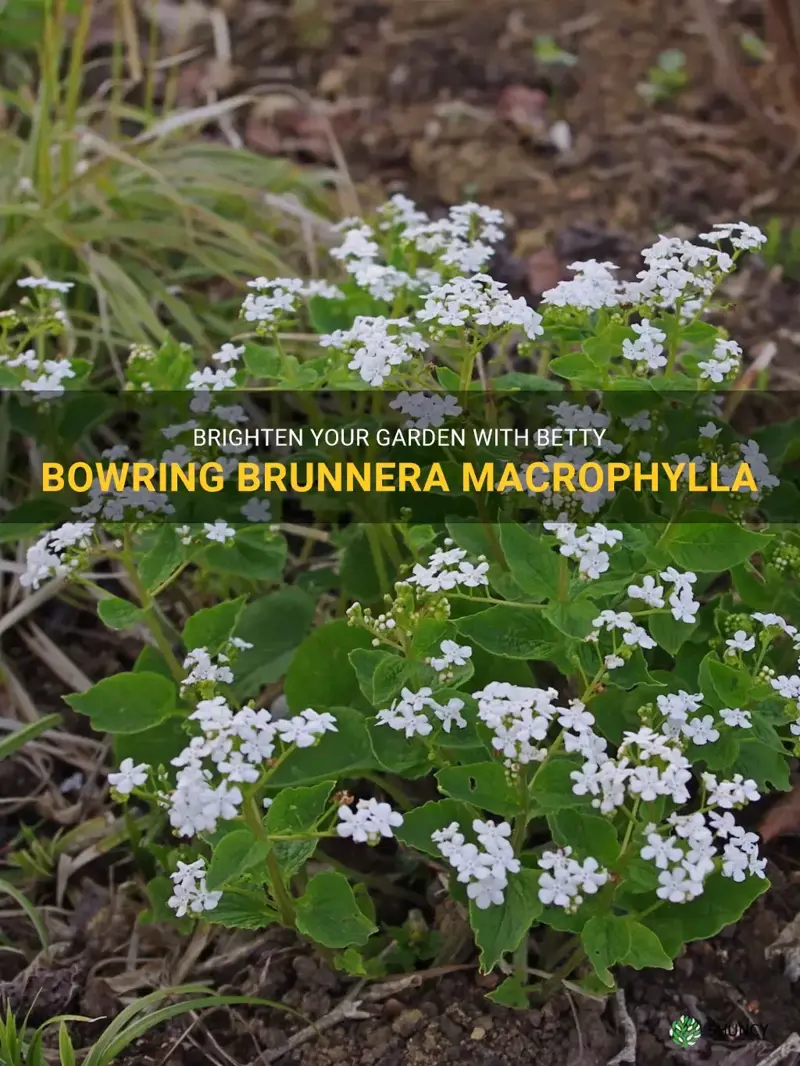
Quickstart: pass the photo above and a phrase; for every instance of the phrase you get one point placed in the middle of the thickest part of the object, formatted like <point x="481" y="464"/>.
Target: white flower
<point x="452" y="655"/>
<point x="256" y="510"/>
<point x="662" y="850"/>
<point x="677" y="887"/>
<point x="305" y="728"/>
<point x="190" y="894"/>
<point x="449" y="714"/>
<point x="567" y="878"/>
<point x="46" y="283"/>
<point x="407" y="715"/>
<point x="209" y="380"/>
<point x="219" y="531"/>
<point x="729" y="794"/>
<point x="368" y="821"/>
<point x="129" y="777"/>
<point x="710" y="430"/>
<point x="788" y="687"/>
<point x="741" y="234"/>
<point x="701" y="730"/>
<point x="734" y="717"/>
<point x="651" y="593"/>
<point x="487" y="892"/>
<point x="228" y="353"/>
<point x="740" y="642"/>
<point x="376" y="346"/>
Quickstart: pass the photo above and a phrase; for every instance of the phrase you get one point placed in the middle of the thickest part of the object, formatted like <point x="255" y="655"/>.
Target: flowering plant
<point x="588" y="704"/>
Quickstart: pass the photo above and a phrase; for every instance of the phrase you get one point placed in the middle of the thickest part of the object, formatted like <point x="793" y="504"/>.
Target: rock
<point x="408" y="1022"/>
<point x="453" y="1032"/>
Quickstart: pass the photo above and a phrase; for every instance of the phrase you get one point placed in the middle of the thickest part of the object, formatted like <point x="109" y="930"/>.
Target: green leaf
<point x="478" y="538"/>
<point x="321" y="674"/>
<point x="723" y="685"/>
<point x="155" y="746"/>
<point x="646" y="951"/>
<point x="275" y="625"/>
<point x="118" y="613"/>
<point x="381" y="675"/>
<point x="165" y="555"/>
<point x="234" y="855"/>
<point x="420" y="822"/>
<point x="723" y="901"/>
<point x="396" y="754"/>
<point x="359" y="576"/>
<point x="552" y="785"/>
<point x="588" y="834"/>
<point x="573" y="618"/>
<point x="151" y="661"/>
<point x="510" y="993"/>
<point x="126" y="703"/>
<point x="668" y="633"/>
<point x="256" y="559"/>
<point x="328" y="913"/>
<point x="577" y="367"/>
<point x="712" y="546"/>
<point x="212" y="627"/>
<point x="512" y="632"/>
<point x="768" y="767"/>
<point x="294" y="811"/>
<point x="499" y="929"/>
<point x="19" y="737"/>
<point x="606" y="940"/>
<point x="533" y="563"/>
<point x="334" y="755"/>
<point x="241" y="909"/>
<point x="262" y="360"/>
<point x="483" y="784"/>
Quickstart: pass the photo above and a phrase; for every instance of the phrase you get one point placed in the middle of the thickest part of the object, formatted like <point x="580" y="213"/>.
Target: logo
<point x="685" y="1032"/>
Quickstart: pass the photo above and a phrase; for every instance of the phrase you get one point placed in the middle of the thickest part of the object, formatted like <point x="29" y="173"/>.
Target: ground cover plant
<point x="560" y="719"/>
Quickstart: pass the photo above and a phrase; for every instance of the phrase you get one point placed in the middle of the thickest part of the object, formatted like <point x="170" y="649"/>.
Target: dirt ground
<point x="446" y="100"/>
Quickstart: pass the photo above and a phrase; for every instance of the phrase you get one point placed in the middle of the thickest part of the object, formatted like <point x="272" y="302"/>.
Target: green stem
<point x="285" y="904"/>
<point x="391" y="789"/>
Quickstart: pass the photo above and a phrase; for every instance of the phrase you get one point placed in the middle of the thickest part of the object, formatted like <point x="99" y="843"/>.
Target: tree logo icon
<point x="685" y="1032"/>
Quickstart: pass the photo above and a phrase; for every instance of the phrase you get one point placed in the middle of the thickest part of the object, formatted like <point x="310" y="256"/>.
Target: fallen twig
<point x="628" y="1053"/>
<point x="792" y="1043"/>
<point x="347" y="1010"/>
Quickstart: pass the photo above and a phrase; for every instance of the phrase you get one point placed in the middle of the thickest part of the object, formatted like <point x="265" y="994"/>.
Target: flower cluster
<point x="681" y="600"/>
<point x="231" y="750"/>
<point x="485" y="869"/>
<point x="520" y="719"/>
<point x="447" y="569"/>
<point x="425" y="408"/>
<point x="565" y="878"/>
<point x="725" y="359"/>
<point x="677" y="273"/>
<point x="376" y="345"/>
<point x="407" y="715"/>
<point x="648" y="346"/>
<point x="479" y="301"/>
<point x="56" y="554"/>
<point x="45" y="377"/>
<point x="189" y="892"/>
<point x="453" y="654"/>
<point x="274" y="299"/>
<point x="368" y="821"/>
<point x="586" y="547"/>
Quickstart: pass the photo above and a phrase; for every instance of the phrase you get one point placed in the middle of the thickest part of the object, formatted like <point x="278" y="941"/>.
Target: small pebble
<point x="408" y="1022"/>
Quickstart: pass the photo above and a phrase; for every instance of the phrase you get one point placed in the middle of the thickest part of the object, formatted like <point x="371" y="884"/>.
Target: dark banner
<point x="622" y="455"/>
